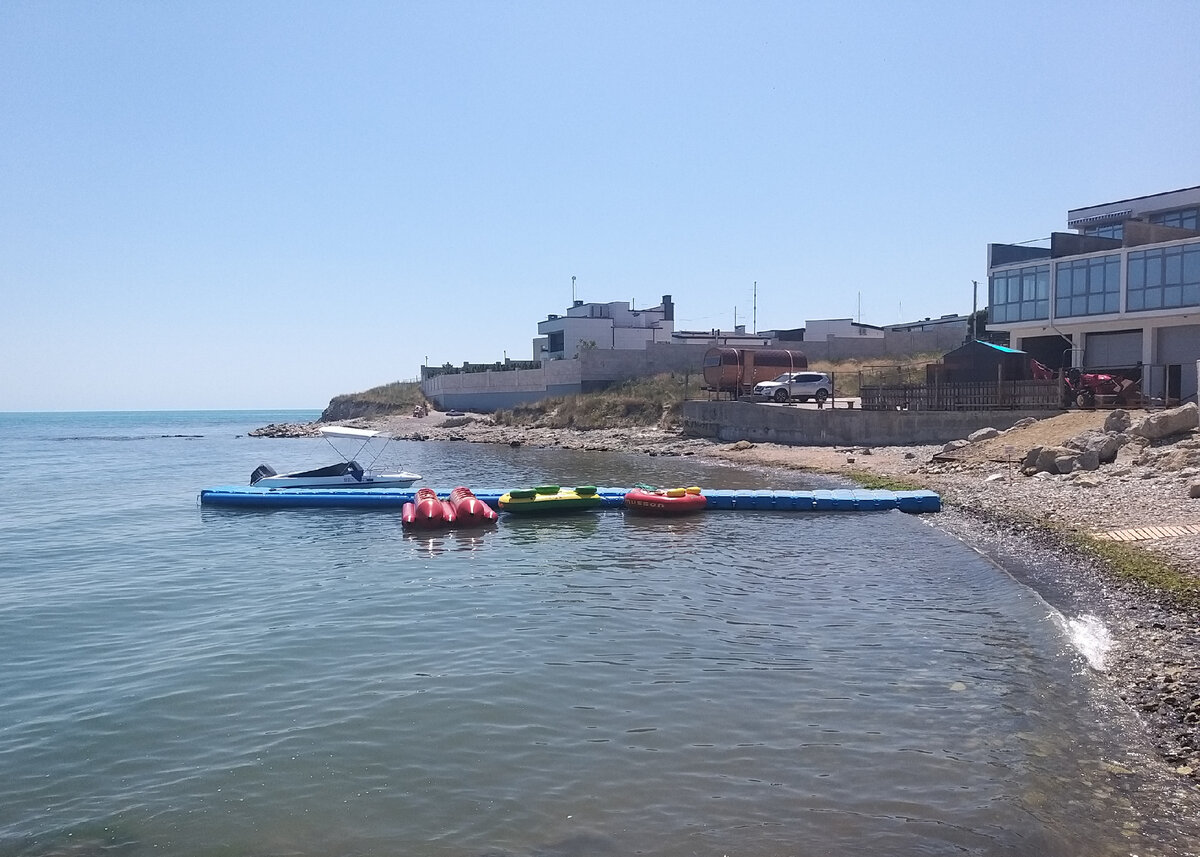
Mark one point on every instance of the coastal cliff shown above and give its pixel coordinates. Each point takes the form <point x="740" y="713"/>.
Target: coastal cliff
<point x="396" y="398"/>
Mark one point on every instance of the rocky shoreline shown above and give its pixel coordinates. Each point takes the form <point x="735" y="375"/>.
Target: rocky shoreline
<point x="1021" y="496"/>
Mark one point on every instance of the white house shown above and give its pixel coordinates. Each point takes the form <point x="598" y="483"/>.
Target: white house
<point x="821" y="329"/>
<point x="610" y="326"/>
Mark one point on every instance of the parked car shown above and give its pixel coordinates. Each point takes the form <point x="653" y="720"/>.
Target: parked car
<point x="796" y="385"/>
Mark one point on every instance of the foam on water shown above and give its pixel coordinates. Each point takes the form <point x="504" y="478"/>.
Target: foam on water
<point x="1090" y="637"/>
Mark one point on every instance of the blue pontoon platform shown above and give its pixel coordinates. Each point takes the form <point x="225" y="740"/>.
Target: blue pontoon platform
<point x="833" y="500"/>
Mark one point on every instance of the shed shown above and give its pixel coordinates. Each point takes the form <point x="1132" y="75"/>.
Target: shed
<point x="981" y="361"/>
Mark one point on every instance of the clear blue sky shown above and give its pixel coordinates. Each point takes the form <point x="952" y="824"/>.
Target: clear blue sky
<point x="265" y="204"/>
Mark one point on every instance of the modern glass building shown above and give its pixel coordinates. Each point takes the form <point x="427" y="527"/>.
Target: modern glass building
<point x="1121" y="292"/>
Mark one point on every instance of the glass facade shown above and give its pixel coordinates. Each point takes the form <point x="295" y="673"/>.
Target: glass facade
<point x="1087" y="286"/>
<point x="1109" y="230"/>
<point x="1186" y="218"/>
<point x="1163" y="279"/>
<point x="1020" y="294"/>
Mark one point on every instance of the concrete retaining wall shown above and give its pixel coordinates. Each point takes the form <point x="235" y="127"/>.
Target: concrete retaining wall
<point x="657" y="357"/>
<point x="490" y="391"/>
<point x="734" y="421"/>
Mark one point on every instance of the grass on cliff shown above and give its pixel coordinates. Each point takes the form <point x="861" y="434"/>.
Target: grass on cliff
<point x="654" y="401"/>
<point x="394" y="398"/>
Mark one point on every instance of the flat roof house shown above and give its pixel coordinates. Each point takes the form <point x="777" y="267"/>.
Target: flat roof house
<point x="607" y="326"/>
<point x="1120" y="292"/>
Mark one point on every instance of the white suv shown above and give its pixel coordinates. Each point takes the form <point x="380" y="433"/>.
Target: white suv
<point x="796" y="385"/>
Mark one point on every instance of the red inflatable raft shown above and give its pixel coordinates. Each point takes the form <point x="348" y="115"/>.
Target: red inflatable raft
<point x="671" y="501"/>
<point x="427" y="511"/>
<point x="463" y="508"/>
<point x="469" y="508"/>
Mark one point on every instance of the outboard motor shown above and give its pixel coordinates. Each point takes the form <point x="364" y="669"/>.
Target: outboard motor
<point x="262" y="472"/>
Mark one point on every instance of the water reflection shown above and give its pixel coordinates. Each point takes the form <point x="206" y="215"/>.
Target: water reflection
<point x="430" y="543"/>
<point x="531" y="529"/>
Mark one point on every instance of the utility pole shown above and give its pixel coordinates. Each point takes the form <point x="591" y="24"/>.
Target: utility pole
<point x="974" y="311"/>
<point x="754" y="316"/>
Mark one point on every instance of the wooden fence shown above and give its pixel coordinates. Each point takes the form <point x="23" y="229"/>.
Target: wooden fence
<point x="971" y="396"/>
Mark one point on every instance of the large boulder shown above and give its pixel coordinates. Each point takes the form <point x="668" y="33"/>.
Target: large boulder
<point x="1024" y="422"/>
<point x="983" y="434"/>
<point x="1089" y="459"/>
<point x="1119" y="421"/>
<point x="1168" y="423"/>
<point x="1104" y="444"/>
<point x="1177" y="458"/>
<point x="1051" y="459"/>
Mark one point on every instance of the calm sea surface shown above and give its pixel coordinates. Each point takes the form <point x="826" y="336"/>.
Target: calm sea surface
<point x="179" y="680"/>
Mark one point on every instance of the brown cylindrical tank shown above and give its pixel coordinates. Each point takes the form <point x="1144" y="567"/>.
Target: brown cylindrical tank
<point x="737" y="370"/>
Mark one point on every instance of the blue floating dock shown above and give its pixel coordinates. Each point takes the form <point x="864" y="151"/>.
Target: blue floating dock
<point x="825" y="500"/>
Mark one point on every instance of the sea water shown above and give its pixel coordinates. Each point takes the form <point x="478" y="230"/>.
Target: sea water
<point x="195" y="681"/>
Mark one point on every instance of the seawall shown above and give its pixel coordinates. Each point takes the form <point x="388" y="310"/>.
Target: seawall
<point x="734" y="421"/>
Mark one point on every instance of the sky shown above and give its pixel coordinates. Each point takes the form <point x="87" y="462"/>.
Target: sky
<point x="208" y="205"/>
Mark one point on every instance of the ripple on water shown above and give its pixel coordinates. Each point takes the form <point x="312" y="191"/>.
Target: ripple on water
<point x="315" y="682"/>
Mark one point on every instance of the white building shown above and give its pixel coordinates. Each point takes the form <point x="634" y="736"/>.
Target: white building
<point x="822" y="329"/>
<point x="737" y="338"/>
<point x="1122" y="292"/>
<point x="610" y="326"/>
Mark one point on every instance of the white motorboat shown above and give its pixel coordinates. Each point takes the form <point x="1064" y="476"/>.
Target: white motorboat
<point x="345" y="474"/>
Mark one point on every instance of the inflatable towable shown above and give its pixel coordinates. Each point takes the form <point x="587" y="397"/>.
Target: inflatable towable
<point x="644" y="500"/>
<point x="469" y="509"/>
<point x="549" y="499"/>
<point x="427" y="511"/>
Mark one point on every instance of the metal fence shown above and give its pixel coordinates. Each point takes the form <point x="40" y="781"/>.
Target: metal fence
<point x="967" y="396"/>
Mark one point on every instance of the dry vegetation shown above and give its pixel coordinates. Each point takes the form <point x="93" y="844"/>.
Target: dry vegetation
<point x="394" y="398"/>
<point x="653" y="401"/>
<point x="849" y="376"/>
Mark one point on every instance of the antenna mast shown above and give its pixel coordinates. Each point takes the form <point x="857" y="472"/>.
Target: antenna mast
<point x="754" y="317"/>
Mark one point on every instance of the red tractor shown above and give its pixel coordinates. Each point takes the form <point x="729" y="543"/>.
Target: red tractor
<point x="1084" y="389"/>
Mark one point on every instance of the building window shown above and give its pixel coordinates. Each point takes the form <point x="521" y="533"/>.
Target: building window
<point x="1020" y="294"/>
<point x="1186" y="218"/>
<point x="1108" y="230"/>
<point x="1163" y="279"/>
<point x="1087" y="286"/>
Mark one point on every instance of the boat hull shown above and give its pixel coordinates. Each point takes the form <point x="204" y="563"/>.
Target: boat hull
<point x="379" y="480"/>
